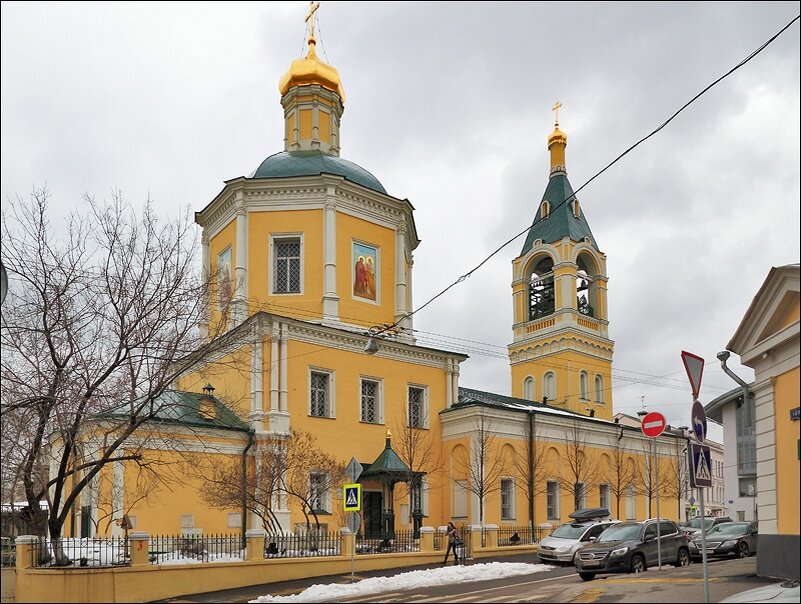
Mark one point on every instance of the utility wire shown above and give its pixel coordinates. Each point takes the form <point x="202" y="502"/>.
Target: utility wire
<point x="537" y="220"/>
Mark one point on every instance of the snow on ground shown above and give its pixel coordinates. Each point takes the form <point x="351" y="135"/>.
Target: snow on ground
<point x="409" y="580"/>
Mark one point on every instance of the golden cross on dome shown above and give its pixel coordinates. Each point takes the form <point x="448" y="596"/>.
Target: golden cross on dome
<point x="555" y="110"/>
<point x="313" y="6"/>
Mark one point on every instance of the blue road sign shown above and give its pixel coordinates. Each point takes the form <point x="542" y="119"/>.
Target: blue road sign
<point x="698" y="422"/>
<point x="701" y="466"/>
<point x="352" y="497"/>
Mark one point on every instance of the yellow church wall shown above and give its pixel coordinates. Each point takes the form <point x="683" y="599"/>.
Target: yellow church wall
<point x="353" y="309"/>
<point x="324" y="126"/>
<point x="305" y="129"/>
<point x="230" y="376"/>
<point x="261" y="225"/>
<point x="786" y="397"/>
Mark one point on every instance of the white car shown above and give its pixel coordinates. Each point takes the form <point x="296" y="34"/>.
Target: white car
<point x="789" y="591"/>
<point x="563" y="543"/>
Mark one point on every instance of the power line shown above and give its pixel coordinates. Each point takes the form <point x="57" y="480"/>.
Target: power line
<point x="537" y="220"/>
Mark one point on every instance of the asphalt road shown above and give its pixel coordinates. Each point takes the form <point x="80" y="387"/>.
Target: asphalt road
<point x="562" y="584"/>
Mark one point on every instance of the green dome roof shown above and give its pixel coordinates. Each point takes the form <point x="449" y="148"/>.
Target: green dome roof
<point x="312" y="163"/>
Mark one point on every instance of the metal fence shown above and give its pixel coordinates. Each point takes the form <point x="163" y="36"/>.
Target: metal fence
<point x="401" y="541"/>
<point x="9" y="551"/>
<point x="520" y="535"/>
<point x="302" y="545"/>
<point x="84" y="552"/>
<point x="203" y="548"/>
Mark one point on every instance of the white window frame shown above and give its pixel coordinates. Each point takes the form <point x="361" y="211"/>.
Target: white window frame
<point x="331" y="402"/>
<point x="582" y="495"/>
<point x="460" y="495"/>
<point x="324" y="497"/>
<point x="605" y="488"/>
<point x="631" y="503"/>
<point x="545" y="209"/>
<point x="276" y="237"/>
<point x="600" y="397"/>
<point x="379" y="399"/>
<point x="187" y="521"/>
<point x="584" y="386"/>
<point x="557" y="496"/>
<point x="234" y="519"/>
<point x="510" y="495"/>
<point x="530" y="388"/>
<point x="549" y="386"/>
<point x="424" y="410"/>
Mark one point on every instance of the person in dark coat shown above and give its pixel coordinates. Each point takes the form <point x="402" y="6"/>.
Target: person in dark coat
<point x="453" y="541"/>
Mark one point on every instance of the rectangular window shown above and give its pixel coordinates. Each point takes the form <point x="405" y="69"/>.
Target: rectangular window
<point x="235" y="520"/>
<point x="318" y="491"/>
<point x="631" y="504"/>
<point x="187" y="521"/>
<point x="371" y="408"/>
<point x="507" y="499"/>
<point x="553" y="500"/>
<point x="605" y="496"/>
<point x="746" y="437"/>
<point x="286" y="265"/>
<point x="319" y="394"/>
<point x="417" y="403"/>
<point x="581" y="496"/>
<point x="460" y="499"/>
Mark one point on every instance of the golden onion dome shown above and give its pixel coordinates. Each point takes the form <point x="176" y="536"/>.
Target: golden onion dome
<point x="311" y="70"/>
<point x="557" y="136"/>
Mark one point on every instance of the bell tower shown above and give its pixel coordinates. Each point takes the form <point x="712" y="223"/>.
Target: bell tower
<point x="561" y="352"/>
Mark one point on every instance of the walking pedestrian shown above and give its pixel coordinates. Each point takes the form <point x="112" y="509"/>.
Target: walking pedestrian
<point x="453" y="543"/>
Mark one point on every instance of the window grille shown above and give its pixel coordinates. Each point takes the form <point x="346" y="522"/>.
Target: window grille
<point x="416" y="410"/>
<point x="370" y="402"/>
<point x="287" y="266"/>
<point x="319" y="394"/>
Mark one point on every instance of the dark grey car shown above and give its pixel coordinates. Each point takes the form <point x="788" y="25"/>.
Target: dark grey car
<point x="631" y="547"/>
<point x="727" y="539"/>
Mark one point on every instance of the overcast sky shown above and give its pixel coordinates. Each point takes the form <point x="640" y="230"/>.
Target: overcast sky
<point x="449" y="105"/>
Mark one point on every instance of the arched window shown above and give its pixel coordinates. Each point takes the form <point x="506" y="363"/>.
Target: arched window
<point x="549" y="386"/>
<point x="529" y="389"/>
<point x="584" y="386"/>
<point x="576" y="209"/>
<point x="541" y="289"/>
<point x="599" y="390"/>
<point x="545" y="210"/>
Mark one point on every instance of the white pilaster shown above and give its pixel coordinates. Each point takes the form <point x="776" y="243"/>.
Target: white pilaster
<point x="400" y="271"/>
<point x="330" y="297"/>
<point x="205" y="271"/>
<point x="239" y="302"/>
<point x="257" y="383"/>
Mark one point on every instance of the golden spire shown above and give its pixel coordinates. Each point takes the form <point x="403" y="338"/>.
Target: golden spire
<point x="557" y="142"/>
<point x="310" y="69"/>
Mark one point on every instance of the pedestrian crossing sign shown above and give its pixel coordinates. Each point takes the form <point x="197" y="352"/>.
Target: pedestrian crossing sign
<point x="701" y="464"/>
<point x="352" y="497"/>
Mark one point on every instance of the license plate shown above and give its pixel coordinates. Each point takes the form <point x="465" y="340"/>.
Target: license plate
<point x="590" y="563"/>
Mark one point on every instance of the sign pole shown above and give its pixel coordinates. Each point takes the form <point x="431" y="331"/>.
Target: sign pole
<point x="353" y="552"/>
<point x="703" y="545"/>
<point x="658" y="525"/>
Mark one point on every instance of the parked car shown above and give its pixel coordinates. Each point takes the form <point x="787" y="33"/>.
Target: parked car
<point x="787" y="591"/>
<point x="561" y="545"/>
<point x="727" y="539"/>
<point x="693" y="527"/>
<point x="631" y="547"/>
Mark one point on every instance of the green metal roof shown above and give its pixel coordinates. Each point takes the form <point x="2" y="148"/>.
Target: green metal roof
<point x="178" y="407"/>
<point x="560" y="222"/>
<point x="386" y="464"/>
<point x="312" y="163"/>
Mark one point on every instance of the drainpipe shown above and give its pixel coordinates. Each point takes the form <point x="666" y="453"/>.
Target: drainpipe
<point x="531" y="471"/>
<point x="251" y="433"/>
<point x="723" y="356"/>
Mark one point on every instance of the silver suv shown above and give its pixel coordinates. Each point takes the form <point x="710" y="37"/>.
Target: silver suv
<point x="563" y="543"/>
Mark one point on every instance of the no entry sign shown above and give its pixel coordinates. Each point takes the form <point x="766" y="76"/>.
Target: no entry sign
<point x="653" y="424"/>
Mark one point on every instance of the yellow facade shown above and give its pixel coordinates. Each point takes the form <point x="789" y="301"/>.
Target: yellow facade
<point x="787" y="438"/>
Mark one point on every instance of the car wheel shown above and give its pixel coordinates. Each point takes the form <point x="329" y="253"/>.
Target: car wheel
<point x="683" y="559"/>
<point x="637" y="564"/>
<point x="587" y="576"/>
<point x="743" y="551"/>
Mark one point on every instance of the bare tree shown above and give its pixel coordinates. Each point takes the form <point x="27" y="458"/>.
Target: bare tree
<point x="621" y="473"/>
<point x="483" y="464"/>
<point x="532" y="467"/>
<point x="675" y="482"/>
<point x="102" y="315"/>
<point x="422" y="454"/>
<point x="576" y="474"/>
<point x="646" y="480"/>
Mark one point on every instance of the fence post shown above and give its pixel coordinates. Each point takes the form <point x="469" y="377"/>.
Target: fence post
<point x="25" y="550"/>
<point x="255" y="539"/>
<point x="475" y="537"/>
<point x="492" y="535"/>
<point x="347" y="542"/>
<point x="140" y="548"/>
<point x="426" y="539"/>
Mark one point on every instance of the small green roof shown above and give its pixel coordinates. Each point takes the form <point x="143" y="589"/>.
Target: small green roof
<point x="386" y="464"/>
<point x="312" y="163"/>
<point x="183" y="408"/>
<point x="560" y="222"/>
